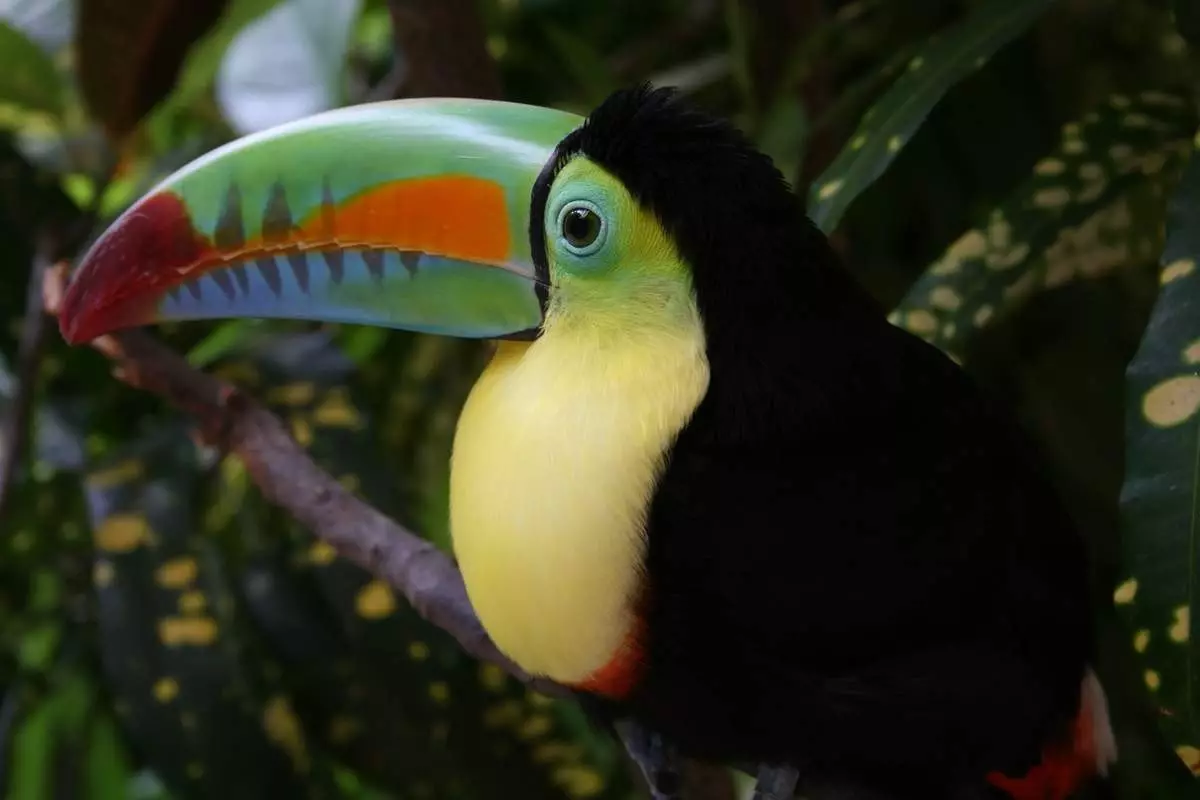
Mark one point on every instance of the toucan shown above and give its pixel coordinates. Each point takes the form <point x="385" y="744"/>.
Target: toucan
<point x="702" y="482"/>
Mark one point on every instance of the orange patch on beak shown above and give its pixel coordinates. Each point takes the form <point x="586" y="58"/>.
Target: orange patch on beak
<point x="456" y="216"/>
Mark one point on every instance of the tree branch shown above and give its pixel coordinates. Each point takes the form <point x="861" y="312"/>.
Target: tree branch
<point x="443" y="44"/>
<point x="17" y="426"/>
<point x="54" y="242"/>
<point x="235" y="423"/>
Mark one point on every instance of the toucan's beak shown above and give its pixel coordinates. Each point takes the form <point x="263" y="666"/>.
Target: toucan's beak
<point x="411" y="214"/>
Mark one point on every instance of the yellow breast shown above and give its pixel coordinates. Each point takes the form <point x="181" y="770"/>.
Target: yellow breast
<point x="555" y="459"/>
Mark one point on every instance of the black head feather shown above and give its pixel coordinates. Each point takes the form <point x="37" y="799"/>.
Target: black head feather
<point x="757" y="260"/>
<point x="770" y="289"/>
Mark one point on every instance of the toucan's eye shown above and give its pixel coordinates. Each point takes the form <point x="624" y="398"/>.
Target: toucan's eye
<point x="581" y="228"/>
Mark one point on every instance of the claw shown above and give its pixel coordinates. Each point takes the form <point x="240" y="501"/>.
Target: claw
<point x="776" y="783"/>
<point x="656" y="758"/>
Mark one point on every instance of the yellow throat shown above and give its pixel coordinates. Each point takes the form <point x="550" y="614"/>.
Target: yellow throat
<point x="556" y="457"/>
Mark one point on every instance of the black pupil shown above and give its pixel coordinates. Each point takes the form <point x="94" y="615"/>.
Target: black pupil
<point x="581" y="227"/>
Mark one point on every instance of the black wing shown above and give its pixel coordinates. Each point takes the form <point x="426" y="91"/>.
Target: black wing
<point x="859" y="560"/>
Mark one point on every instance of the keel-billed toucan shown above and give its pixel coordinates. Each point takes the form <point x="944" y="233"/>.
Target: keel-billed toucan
<point x="703" y="480"/>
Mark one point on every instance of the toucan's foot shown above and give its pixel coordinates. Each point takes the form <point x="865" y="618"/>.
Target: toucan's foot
<point x="656" y="758"/>
<point x="776" y="783"/>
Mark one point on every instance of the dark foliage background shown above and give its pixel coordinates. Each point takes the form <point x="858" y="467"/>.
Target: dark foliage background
<point x="1012" y="177"/>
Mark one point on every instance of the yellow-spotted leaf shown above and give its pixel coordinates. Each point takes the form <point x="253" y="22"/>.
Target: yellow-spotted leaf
<point x="1157" y="593"/>
<point x="1092" y="205"/>
<point x="944" y="60"/>
<point x="173" y="653"/>
<point x="352" y="708"/>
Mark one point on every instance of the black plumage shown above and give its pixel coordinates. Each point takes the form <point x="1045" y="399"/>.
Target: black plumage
<point x="856" y="564"/>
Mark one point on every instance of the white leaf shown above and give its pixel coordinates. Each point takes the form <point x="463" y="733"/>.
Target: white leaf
<point x="50" y="23"/>
<point x="287" y="64"/>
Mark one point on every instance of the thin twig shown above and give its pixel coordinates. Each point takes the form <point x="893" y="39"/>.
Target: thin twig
<point x="235" y="423"/>
<point x="10" y="712"/>
<point x="50" y="246"/>
<point x="18" y="423"/>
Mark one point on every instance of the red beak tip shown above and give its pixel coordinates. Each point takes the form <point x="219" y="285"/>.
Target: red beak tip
<point x="69" y="328"/>
<point x="87" y="312"/>
<point x="70" y="316"/>
<point x="72" y="334"/>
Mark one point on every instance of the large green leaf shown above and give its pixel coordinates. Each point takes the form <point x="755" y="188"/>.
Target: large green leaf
<point x="1160" y="501"/>
<point x="28" y="78"/>
<point x="933" y="70"/>
<point x="1092" y="205"/>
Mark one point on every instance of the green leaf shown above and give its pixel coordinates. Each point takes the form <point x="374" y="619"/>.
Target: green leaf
<point x="223" y="340"/>
<point x="784" y="132"/>
<point x="39" y="646"/>
<point x="287" y="64"/>
<point x="70" y="722"/>
<point x="860" y="92"/>
<point x="31" y="776"/>
<point x="52" y="724"/>
<point x="201" y="65"/>
<point x="887" y="126"/>
<point x="1160" y="500"/>
<point x="108" y="769"/>
<point x="1092" y="205"/>
<point x="1186" y="14"/>
<point x="373" y="34"/>
<point x="593" y="78"/>
<point x="28" y="78"/>
<point x="50" y="23"/>
<point x="360" y="343"/>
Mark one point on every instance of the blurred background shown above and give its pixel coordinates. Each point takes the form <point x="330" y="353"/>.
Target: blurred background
<point x="1010" y="178"/>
